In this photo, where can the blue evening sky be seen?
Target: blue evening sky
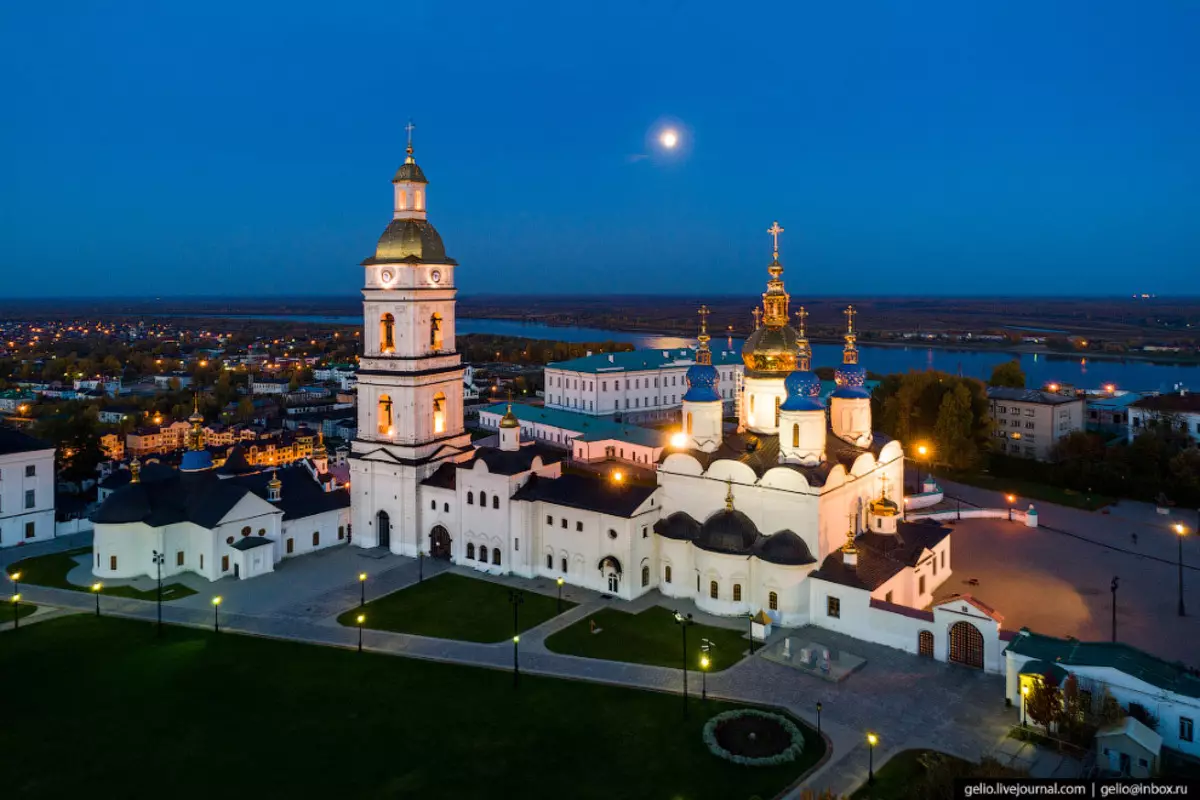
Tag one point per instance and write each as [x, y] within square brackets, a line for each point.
[168, 148]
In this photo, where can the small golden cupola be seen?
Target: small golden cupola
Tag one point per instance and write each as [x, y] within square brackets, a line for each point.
[510, 430]
[771, 349]
[885, 512]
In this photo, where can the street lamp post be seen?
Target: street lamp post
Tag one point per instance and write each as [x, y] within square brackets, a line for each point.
[420, 566]
[216, 604]
[361, 619]
[1181, 531]
[683, 621]
[750, 617]
[705, 662]
[1011, 499]
[872, 740]
[560, 583]
[159, 559]
[362, 589]
[96, 587]
[516, 597]
[818, 718]
[1115, 581]
[1024, 697]
[15, 577]
[922, 450]
[16, 601]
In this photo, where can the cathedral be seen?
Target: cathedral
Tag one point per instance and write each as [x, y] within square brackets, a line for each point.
[797, 510]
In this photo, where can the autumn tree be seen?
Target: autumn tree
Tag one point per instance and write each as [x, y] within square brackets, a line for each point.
[952, 433]
[1043, 705]
[1009, 374]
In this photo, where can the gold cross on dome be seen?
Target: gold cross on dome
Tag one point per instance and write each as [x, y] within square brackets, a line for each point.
[850, 312]
[410, 127]
[757, 312]
[883, 491]
[802, 315]
[704, 312]
[775, 230]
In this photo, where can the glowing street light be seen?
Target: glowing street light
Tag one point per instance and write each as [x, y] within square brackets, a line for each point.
[922, 452]
[362, 586]
[1011, 498]
[16, 601]
[872, 740]
[560, 583]
[1181, 531]
[679, 440]
[216, 604]
[96, 587]
[1024, 698]
[361, 618]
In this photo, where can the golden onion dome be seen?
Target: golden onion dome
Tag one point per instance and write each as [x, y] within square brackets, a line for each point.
[409, 240]
[771, 351]
[509, 420]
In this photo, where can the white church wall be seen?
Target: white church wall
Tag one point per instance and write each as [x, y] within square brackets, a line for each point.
[677, 556]
[788, 584]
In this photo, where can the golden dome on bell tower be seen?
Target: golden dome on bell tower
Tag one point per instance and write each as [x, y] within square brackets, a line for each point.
[772, 348]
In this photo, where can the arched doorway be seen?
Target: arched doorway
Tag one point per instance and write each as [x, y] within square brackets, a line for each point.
[925, 644]
[611, 568]
[384, 526]
[966, 645]
[439, 543]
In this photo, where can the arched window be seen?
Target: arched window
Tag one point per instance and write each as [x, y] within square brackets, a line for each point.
[737, 593]
[495, 501]
[645, 576]
[433, 505]
[795, 435]
[773, 601]
[776, 410]
[401, 200]
[496, 556]
[712, 589]
[549, 561]
[564, 564]
[667, 574]
[470, 498]
[483, 499]
[439, 413]
[689, 423]
[751, 404]
[435, 332]
[385, 414]
[471, 551]
[419, 200]
[387, 334]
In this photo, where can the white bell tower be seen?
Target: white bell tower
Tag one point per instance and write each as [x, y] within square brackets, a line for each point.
[410, 378]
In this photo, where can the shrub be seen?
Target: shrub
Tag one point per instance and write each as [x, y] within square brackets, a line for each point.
[791, 753]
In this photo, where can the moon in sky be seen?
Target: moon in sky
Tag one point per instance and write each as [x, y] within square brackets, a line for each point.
[668, 138]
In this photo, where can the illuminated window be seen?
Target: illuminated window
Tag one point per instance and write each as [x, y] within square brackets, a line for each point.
[776, 410]
[385, 415]
[435, 332]
[419, 205]
[773, 601]
[439, 413]
[689, 423]
[402, 200]
[795, 435]
[712, 589]
[387, 333]
[737, 593]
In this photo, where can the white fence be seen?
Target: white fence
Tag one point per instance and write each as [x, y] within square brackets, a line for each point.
[68, 527]
[1029, 518]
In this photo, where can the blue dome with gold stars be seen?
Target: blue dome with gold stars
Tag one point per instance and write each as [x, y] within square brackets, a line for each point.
[851, 379]
[803, 392]
[702, 384]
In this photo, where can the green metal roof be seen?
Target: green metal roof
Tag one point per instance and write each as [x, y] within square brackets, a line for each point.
[588, 428]
[635, 360]
[1166, 675]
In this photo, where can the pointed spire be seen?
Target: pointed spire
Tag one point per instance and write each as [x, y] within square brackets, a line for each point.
[850, 351]
[848, 548]
[775, 299]
[729, 494]
[703, 354]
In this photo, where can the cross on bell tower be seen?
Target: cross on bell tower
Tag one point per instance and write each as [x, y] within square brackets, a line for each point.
[703, 354]
[775, 230]
[850, 351]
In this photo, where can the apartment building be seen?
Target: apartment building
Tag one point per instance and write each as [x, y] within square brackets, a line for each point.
[26, 489]
[641, 383]
[1029, 422]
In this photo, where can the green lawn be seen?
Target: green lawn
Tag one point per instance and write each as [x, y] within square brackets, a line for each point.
[51, 570]
[1031, 490]
[23, 611]
[451, 606]
[651, 637]
[200, 715]
[900, 778]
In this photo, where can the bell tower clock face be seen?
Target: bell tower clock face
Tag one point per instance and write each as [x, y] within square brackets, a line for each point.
[387, 276]
[435, 276]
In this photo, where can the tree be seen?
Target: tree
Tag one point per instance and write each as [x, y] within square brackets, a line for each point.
[1008, 374]
[952, 432]
[1043, 705]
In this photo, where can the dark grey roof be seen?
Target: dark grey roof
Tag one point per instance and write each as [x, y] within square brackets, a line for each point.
[785, 547]
[250, 542]
[587, 493]
[444, 477]
[679, 525]
[761, 453]
[409, 171]
[1170, 402]
[1029, 396]
[201, 498]
[152, 471]
[727, 531]
[14, 441]
[514, 462]
[300, 495]
[236, 463]
[882, 555]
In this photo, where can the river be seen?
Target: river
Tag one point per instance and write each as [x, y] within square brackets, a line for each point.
[1040, 368]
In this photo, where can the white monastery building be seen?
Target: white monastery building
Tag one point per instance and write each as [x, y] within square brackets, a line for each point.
[798, 513]
[26, 489]
[234, 521]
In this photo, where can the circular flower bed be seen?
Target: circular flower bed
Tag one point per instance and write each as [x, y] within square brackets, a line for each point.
[753, 738]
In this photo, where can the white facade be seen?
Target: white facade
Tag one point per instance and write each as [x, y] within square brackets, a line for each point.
[1181, 411]
[26, 496]
[638, 381]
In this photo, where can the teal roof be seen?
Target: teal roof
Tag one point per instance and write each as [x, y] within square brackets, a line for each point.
[1166, 675]
[1115, 401]
[588, 428]
[1043, 668]
[636, 360]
